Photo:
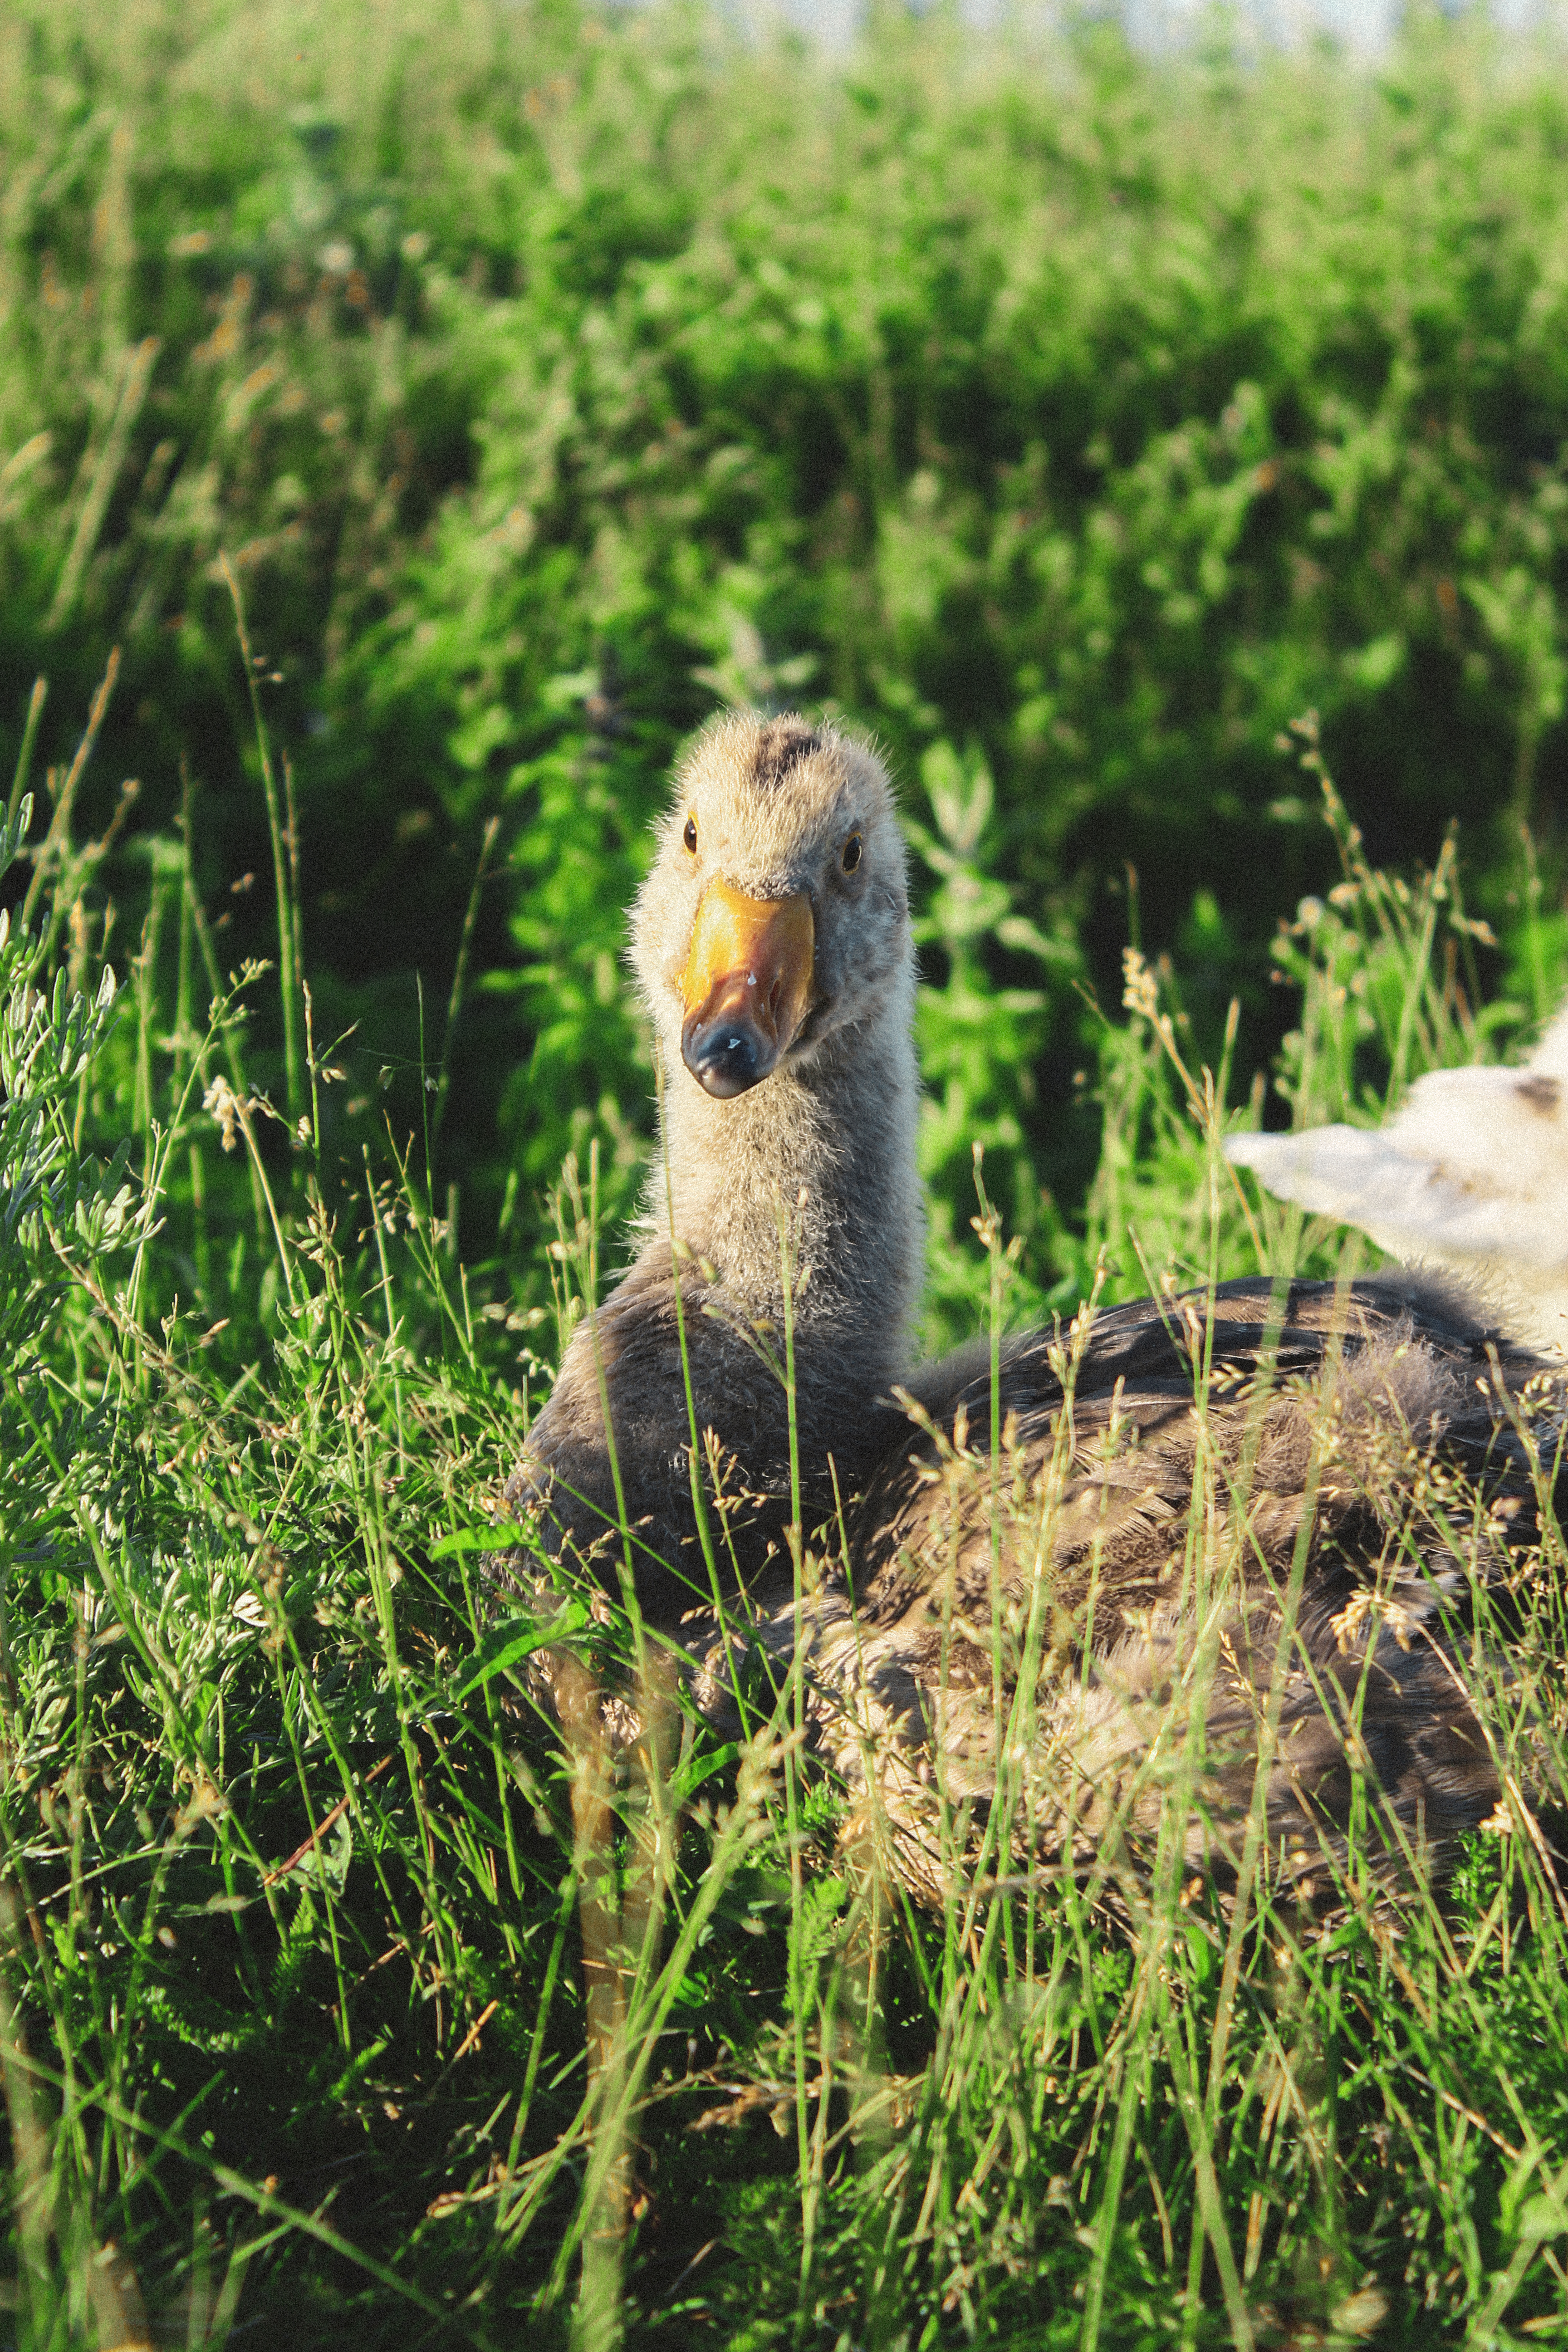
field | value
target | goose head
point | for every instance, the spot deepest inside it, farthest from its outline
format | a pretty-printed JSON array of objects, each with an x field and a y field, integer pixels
[{"x": 775, "y": 916}]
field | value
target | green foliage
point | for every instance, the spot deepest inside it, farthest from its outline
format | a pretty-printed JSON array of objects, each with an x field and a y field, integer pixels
[
  {"x": 1073, "y": 421},
  {"x": 1075, "y": 415},
  {"x": 340, "y": 1988},
  {"x": 978, "y": 1042}
]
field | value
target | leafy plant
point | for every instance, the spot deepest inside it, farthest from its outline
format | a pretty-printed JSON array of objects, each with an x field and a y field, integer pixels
[{"x": 546, "y": 378}]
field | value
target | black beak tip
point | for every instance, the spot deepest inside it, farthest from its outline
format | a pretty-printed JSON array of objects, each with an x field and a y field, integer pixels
[{"x": 725, "y": 1057}]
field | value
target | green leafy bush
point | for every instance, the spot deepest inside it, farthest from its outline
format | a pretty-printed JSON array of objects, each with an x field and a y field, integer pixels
[{"x": 549, "y": 377}]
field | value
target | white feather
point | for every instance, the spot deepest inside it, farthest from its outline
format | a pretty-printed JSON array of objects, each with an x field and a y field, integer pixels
[{"x": 1471, "y": 1173}]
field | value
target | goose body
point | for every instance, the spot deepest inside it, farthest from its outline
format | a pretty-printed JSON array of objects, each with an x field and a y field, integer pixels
[
  {"x": 1470, "y": 1174},
  {"x": 1187, "y": 1532},
  {"x": 1162, "y": 1572}
]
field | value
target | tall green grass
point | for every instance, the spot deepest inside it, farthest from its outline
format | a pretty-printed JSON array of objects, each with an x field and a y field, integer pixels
[
  {"x": 407, "y": 427},
  {"x": 343, "y": 1988}
]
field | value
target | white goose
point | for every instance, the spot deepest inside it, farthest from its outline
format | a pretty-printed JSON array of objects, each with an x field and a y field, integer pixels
[{"x": 1470, "y": 1174}]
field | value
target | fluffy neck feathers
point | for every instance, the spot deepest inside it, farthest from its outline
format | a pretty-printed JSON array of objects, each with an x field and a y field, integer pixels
[{"x": 829, "y": 1153}]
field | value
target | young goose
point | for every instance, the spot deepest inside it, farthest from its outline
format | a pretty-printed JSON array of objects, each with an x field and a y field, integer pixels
[
  {"x": 1470, "y": 1173},
  {"x": 1144, "y": 1574},
  {"x": 770, "y": 945}
]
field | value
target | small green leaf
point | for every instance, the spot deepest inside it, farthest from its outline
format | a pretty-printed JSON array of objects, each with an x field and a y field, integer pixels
[
  {"x": 1542, "y": 2217},
  {"x": 504, "y": 1536},
  {"x": 517, "y": 1638}
]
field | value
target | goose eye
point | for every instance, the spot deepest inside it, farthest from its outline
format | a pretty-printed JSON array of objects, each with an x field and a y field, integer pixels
[
  {"x": 689, "y": 836},
  {"x": 852, "y": 850}
]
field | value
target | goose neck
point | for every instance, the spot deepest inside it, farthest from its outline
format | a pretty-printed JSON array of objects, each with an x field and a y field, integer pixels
[{"x": 806, "y": 1183}]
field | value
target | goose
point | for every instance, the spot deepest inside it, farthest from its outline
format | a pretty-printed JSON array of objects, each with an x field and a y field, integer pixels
[
  {"x": 1108, "y": 1556},
  {"x": 1469, "y": 1174}
]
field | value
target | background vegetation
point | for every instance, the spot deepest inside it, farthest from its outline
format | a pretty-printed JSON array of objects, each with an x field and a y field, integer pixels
[
  {"x": 412, "y": 421},
  {"x": 1073, "y": 420}
]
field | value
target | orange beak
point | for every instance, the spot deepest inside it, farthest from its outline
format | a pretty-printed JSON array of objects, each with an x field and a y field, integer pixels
[{"x": 747, "y": 986}]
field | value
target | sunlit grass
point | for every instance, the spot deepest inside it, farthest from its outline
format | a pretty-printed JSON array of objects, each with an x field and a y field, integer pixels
[
  {"x": 344, "y": 1988},
  {"x": 1072, "y": 417}
]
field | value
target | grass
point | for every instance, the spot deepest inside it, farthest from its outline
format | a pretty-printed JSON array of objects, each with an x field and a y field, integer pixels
[
  {"x": 342, "y": 1989},
  {"x": 1070, "y": 414},
  {"x": 1072, "y": 417}
]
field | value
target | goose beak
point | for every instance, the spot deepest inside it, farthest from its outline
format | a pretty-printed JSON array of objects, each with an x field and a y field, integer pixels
[{"x": 747, "y": 986}]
